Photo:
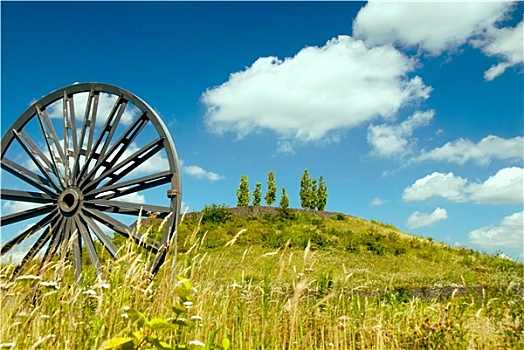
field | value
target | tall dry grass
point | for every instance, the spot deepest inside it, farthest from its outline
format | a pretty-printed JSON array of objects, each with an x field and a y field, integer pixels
[{"x": 261, "y": 298}]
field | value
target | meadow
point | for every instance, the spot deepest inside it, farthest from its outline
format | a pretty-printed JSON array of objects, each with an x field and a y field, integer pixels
[{"x": 288, "y": 280}]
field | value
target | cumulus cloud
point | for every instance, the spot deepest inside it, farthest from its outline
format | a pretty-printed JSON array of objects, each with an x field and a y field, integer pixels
[
  {"x": 505, "y": 43},
  {"x": 462, "y": 151},
  {"x": 435, "y": 27},
  {"x": 418, "y": 219},
  {"x": 199, "y": 173},
  {"x": 447, "y": 186},
  {"x": 505, "y": 187},
  {"x": 394, "y": 140},
  {"x": 508, "y": 234},
  {"x": 317, "y": 92}
]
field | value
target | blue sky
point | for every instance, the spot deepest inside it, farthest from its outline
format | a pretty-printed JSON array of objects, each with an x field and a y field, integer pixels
[{"x": 412, "y": 112}]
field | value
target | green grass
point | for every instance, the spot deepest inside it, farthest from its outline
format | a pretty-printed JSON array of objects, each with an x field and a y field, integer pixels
[{"x": 290, "y": 281}]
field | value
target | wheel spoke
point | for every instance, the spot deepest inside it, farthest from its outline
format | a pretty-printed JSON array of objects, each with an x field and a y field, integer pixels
[
  {"x": 65, "y": 236},
  {"x": 124, "y": 230},
  {"x": 106, "y": 133},
  {"x": 56, "y": 239},
  {"x": 31, "y": 152},
  {"x": 50, "y": 165},
  {"x": 50, "y": 135},
  {"x": 120, "y": 146},
  {"x": 89, "y": 123},
  {"x": 88, "y": 242},
  {"x": 110, "y": 247},
  {"x": 69, "y": 127},
  {"x": 27, "y": 176},
  {"x": 77, "y": 251},
  {"x": 26, "y": 214},
  {"x": 127, "y": 165},
  {"x": 127, "y": 207},
  {"x": 37, "y": 246},
  {"x": 25, "y": 196},
  {"x": 131, "y": 186},
  {"x": 28, "y": 232}
]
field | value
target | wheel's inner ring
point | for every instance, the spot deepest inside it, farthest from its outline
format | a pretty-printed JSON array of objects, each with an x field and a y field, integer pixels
[{"x": 70, "y": 200}]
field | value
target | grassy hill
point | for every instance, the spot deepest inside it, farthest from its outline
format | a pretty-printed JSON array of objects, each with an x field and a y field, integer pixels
[{"x": 262, "y": 278}]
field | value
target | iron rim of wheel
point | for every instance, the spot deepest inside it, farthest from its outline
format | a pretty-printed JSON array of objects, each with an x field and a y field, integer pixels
[{"x": 79, "y": 161}]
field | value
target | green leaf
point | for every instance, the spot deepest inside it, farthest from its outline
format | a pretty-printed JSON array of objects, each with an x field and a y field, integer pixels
[
  {"x": 137, "y": 316},
  {"x": 184, "y": 295},
  {"x": 121, "y": 343},
  {"x": 159, "y": 344},
  {"x": 185, "y": 282},
  {"x": 159, "y": 323},
  {"x": 138, "y": 335},
  {"x": 225, "y": 343},
  {"x": 180, "y": 323},
  {"x": 179, "y": 310}
]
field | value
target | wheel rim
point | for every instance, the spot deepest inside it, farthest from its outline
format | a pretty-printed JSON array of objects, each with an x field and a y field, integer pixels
[{"x": 78, "y": 167}]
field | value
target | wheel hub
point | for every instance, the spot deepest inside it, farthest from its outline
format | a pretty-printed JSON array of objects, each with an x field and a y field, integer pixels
[{"x": 70, "y": 201}]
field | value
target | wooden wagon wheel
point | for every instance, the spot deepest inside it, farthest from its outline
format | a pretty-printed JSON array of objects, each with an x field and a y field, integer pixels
[{"x": 78, "y": 167}]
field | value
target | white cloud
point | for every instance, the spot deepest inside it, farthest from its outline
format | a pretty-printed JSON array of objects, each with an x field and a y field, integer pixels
[
  {"x": 509, "y": 234},
  {"x": 377, "y": 202},
  {"x": 315, "y": 93},
  {"x": 393, "y": 140},
  {"x": 199, "y": 173},
  {"x": 462, "y": 151},
  {"x": 506, "y": 43},
  {"x": 505, "y": 187},
  {"x": 418, "y": 219},
  {"x": 433, "y": 27},
  {"x": 447, "y": 186}
]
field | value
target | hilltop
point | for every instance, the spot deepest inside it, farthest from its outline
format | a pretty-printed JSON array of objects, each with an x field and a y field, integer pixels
[{"x": 263, "y": 278}]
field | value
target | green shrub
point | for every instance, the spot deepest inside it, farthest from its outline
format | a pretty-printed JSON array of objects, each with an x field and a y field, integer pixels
[{"x": 216, "y": 214}]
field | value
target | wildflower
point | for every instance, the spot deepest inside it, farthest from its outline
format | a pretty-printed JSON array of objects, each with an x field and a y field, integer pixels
[
  {"x": 197, "y": 343},
  {"x": 7, "y": 345},
  {"x": 188, "y": 304},
  {"x": 28, "y": 277},
  {"x": 196, "y": 318},
  {"x": 331, "y": 345},
  {"x": 89, "y": 292},
  {"x": 124, "y": 315}
]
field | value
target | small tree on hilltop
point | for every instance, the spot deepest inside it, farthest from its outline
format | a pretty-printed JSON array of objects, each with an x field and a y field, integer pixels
[
  {"x": 284, "y": 200},
  {"x": 257, "y": 194},
  {"x": 305, "y": 190},
  {"x": 243, "y": 192},
  {"x": 313, "y": 195},
  {"x": 322, "y": 194},
  {"x": 271, "y": 194}
]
